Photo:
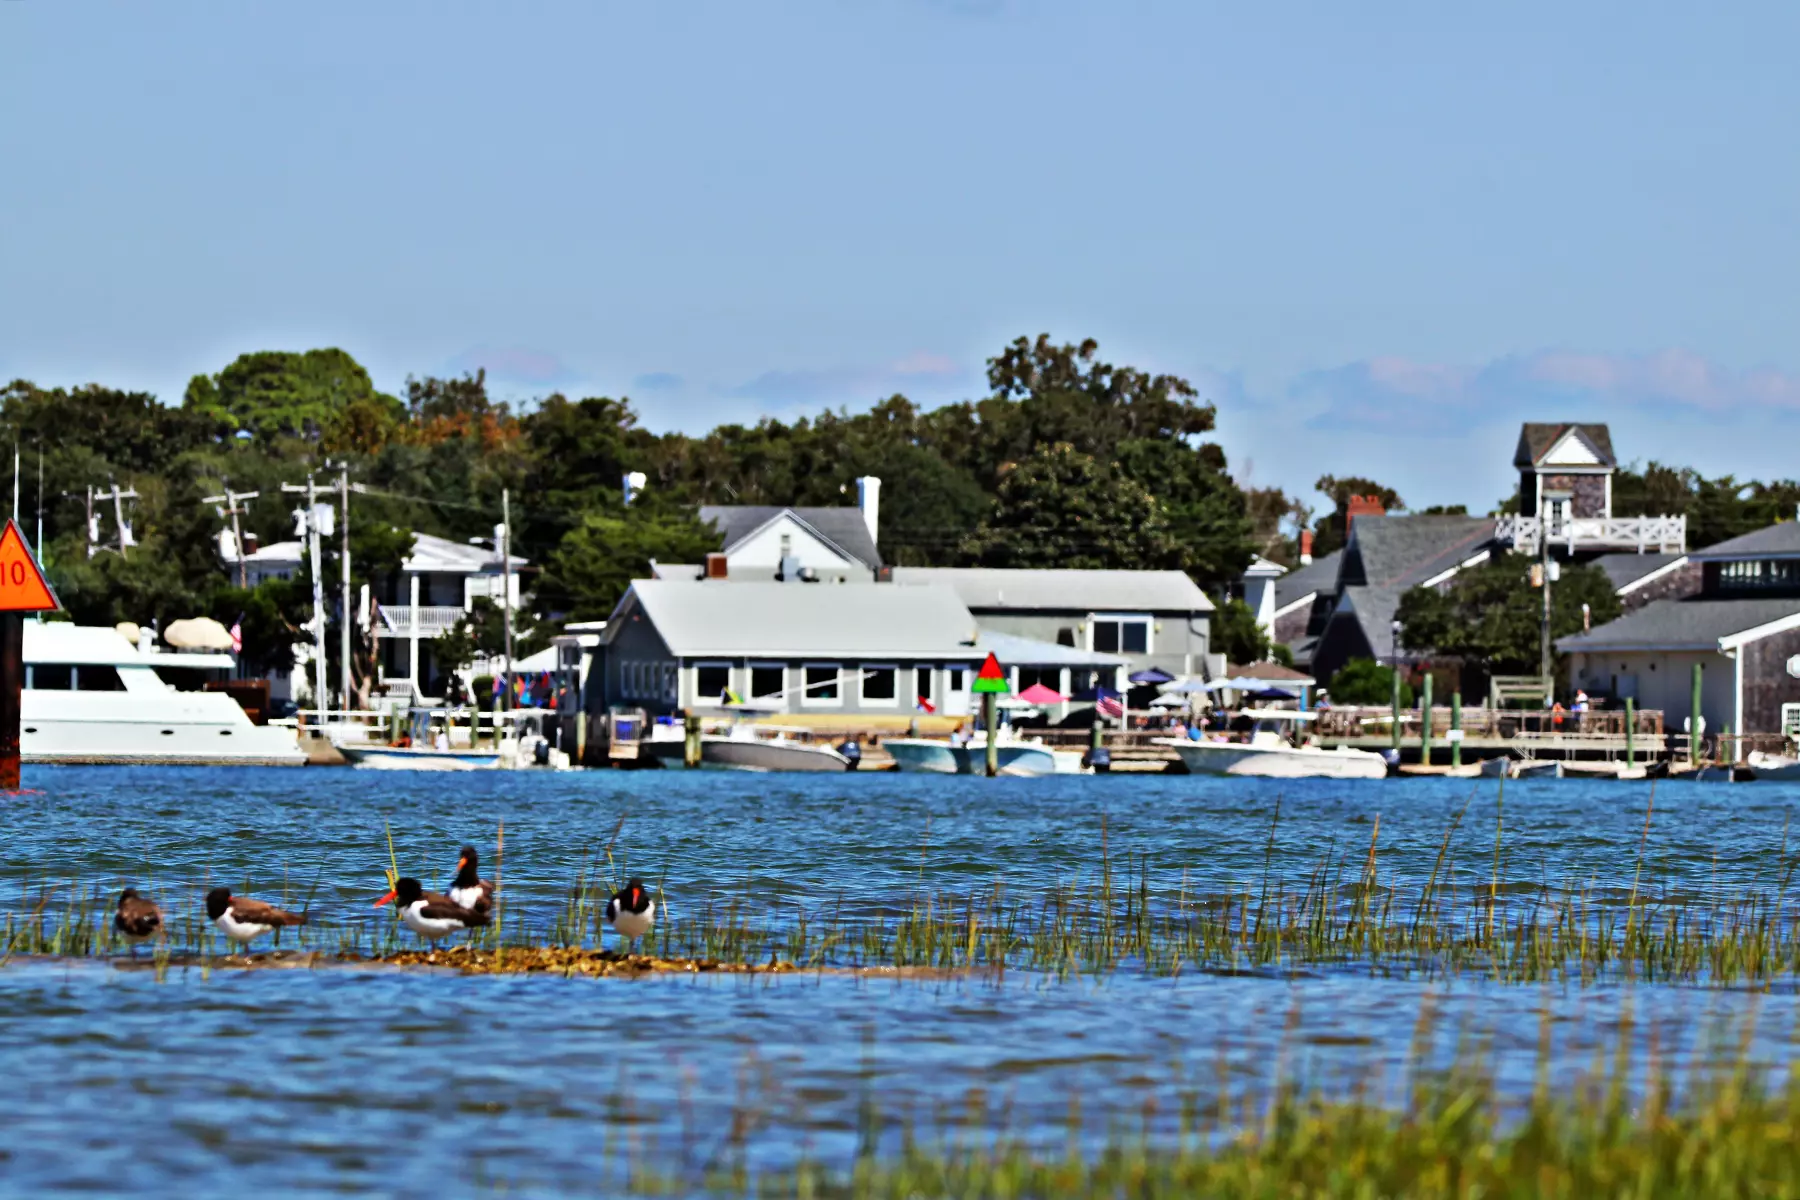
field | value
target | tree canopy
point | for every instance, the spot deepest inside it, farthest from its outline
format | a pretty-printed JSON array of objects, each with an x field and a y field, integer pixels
[{"x": 1491, "y": 616}]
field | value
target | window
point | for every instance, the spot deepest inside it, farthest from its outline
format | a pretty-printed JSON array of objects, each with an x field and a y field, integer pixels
[
  {"x": 711, "y": 682},
  {"x": 821, "y": 684},
  {"x": 880, "y": 684},
  {"x": 768, "y": 682},
  {"x": 98, "y": 679},
  {"x": 1765, "y": 575},
  {"x": 1121, "y": 635},
  {"x": 957, "y": 682},
  {"x": 1050, "y": 677},
  {"x": 52, "y": 677}
]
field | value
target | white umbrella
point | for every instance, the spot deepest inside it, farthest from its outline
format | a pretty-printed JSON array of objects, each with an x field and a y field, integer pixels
[{"x": 198, "y": 633}]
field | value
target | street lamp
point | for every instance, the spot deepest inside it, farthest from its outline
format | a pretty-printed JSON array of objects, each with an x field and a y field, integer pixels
[{"x": 1396, "y": 653}]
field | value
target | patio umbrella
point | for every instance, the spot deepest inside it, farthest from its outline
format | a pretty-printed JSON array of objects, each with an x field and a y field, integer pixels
[
  {"x": 1188, "y": 687},
  {"x": 1169, "y": 700},
  {"x": 1273, "y": 693},
  {"x": 1037, "y": 693},
  {"x": 1154, "y": 675}
]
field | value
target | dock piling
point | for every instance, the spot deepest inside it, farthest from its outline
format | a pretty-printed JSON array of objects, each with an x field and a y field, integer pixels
[
  {"x": 690, "y": 750},
  {"x": 1694, "y": 729},
  {"x": 990, "y": 711},
  {"x": 1456, "y": 729},
  {"x": 1425, "y": 723},
  {"x": 1396, "y": 706},
  {"x": 1630, "y": 733}
]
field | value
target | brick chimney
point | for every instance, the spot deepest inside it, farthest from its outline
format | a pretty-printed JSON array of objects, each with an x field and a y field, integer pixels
[
  {"x": 1362, "y": 506},
  {"x": 1306, "y": 540},
  {"x": 715, "y": 566}
]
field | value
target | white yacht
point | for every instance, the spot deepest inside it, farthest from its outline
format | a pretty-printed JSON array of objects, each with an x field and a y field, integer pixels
[
  {"x": 91, "y": 696},
  {"x": 1272, "y": 752}
]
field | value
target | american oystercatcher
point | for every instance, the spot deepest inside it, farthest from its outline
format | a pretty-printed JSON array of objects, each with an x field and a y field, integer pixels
[
  {"x": 137, "y": 919},
  {"x": 429, "y": 915},
  {"x": 243, "y": 920},
  {"x": 632, "y": 912},
  {"x": 469, "y": 889}
]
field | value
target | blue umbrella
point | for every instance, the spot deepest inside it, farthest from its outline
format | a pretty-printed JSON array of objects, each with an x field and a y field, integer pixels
[{"x": 1152, "y": 675}]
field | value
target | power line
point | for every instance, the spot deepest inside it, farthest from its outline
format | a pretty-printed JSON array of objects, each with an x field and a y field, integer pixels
[{"x": 233, "y": 502}]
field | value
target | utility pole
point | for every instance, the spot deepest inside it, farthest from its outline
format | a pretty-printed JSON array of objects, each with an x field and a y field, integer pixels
[
  {"x": 232, "y": 501},
  {"x": 505, "y": 543},
  {"x": 118, "y": 496},
  {"x": 309, "y": 524},
  {"x": 344, "y": 574},
  {"x": 93, "y": 526}
]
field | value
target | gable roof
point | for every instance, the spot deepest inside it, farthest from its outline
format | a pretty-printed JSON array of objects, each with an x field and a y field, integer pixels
[
  {"x": 1400, "y": 552},
  {"x": 1320, "y": 575},
  {"x": 1538, "y": 438},
  {"x": 843, "y": 529},
  {"x": 1776, "y": 541},
  {"x": 1064, "y": 590},
  {"x": 433, "y": 553},
  {"x": 1693, "y": 624},
  {"x": 702, "y": 618},
  {"x": 1627, "y": 571}
]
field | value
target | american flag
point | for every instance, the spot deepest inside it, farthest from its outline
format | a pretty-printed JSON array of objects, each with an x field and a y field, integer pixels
[
  {"x": 1110, "y": 706},
  {"x": 237, "y": 635}
]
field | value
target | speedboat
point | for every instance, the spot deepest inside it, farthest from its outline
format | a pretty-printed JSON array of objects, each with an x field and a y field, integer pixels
[
  {"x": 1779, "y": 768},
  {"x": 1014, "y": 755},
  {"x": 91, "y": 696},
  {"x": 748, "y": 747},
  {"x": 1271, "y": 752}
]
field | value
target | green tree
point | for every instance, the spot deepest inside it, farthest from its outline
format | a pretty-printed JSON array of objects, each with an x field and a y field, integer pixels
[
  {"x": 1236, "y": 635},
  {"x": 1490, "y": 616},
  {"x": 1063, "y": 508},
  {"x": 595, "y": 562},
  {"x": 280, "y": 393},
  {"x": 1365, "y": 681}
]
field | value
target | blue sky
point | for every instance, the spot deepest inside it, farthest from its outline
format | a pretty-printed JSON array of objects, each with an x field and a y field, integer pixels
[{"x": 1379, "y": 235}]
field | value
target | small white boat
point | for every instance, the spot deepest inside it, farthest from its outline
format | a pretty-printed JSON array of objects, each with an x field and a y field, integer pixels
[
  {"x": 1014, "y": 755},
  {"x": 372, "y": 756},
  {"x": 1271, "y": 752},
  {"x": 750, "y": 748},
  {"x": 1776, "y": 768},
  {"x": 1536, "y": 768}
]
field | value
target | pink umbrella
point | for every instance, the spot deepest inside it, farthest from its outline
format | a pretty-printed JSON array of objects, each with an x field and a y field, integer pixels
[{"x": 1038, "y": 694}]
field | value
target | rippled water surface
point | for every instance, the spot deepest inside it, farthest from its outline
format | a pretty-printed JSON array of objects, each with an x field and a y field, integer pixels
[{"x": 218, "y": 1081}]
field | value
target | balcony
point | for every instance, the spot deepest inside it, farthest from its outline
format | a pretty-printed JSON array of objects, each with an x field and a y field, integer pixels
[
  {"x": 1662, "y": 535},
  {"x": 427, "y": 620}
]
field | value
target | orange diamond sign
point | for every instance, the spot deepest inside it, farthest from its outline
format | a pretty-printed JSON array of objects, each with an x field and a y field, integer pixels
[{"x": 23, "y": 587}]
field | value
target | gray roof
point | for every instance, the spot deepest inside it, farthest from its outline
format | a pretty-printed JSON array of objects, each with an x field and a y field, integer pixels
[
  {"x": 1537, "y": 438},
  {"x": 1013, "y": 650},
  {"x": 1320, "y": 575},
  {"x": 700, "y": 618},
  {"x": 1694, "y": 624},
  {"x": 1623, "y": 570},
  {"x": 842, "y": 528},
  {"x": 1060, "y": 590},
  {"x": 1775, "y": 541},
  {"x": 1402, "y": 551}
]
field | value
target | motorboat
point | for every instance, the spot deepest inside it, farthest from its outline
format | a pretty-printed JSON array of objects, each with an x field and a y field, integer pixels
[
  {"x": 431, "y": 745},
  {"x": 1271, "y": 751},
  {"x": 1777, "y": 768},
  {"x": 750, "y": 747},
  {"x": 92, "y": 696},
  {"x": 1014, "y": 755}
]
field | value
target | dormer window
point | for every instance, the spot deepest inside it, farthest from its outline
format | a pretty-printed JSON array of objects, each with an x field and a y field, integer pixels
[{"x": 1769, "y": 575}]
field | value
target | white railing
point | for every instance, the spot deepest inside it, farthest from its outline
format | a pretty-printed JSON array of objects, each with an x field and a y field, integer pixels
[
  {"x": 1665, "y": 535},
  {"x": 429, "y": 619}
]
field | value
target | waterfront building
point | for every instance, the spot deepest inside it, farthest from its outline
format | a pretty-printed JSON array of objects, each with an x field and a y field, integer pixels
[{"x": 1741, "y": 628}]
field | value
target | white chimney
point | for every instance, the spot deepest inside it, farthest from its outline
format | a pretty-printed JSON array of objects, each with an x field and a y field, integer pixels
[
  {"x": 868, "y": 498},
  {"x": 634, "y": 483}
]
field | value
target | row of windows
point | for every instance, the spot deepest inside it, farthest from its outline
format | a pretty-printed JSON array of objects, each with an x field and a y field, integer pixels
[
  {"x": 820, "y": 683},
  {"x": 66, "y": 677},
  {"x": 1768, "y": 574},
  {"x": 648, "y": 680}
]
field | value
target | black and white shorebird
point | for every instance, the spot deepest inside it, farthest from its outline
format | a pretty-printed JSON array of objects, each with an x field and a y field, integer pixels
[
  {"x": 429, "y": 915},
  {"x": 243, "y": 920},
  {"x": 631, "y": 912},
  {"x": 469, "y": 889},
  {"x": 137, "y": 920}
]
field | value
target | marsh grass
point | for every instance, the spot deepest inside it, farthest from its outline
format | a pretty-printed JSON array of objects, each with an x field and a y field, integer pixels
[
  {"x": 1628, "y": 1124},
  {"x": 1345, "y": 914}
]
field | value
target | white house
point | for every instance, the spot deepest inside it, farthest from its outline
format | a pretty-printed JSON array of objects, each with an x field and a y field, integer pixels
[{"x": 760, "y": 543}]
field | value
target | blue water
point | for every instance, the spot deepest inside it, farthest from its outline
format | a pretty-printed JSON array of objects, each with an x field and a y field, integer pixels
[{"x": 344, "y": 1079}]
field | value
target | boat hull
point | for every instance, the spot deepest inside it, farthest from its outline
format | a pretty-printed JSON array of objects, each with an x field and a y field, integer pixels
[
  {"x": 1292, "y": 762},
  {"x": 212, "y": 736},
  {"x": 750, "y": 754},
  {"x": 921, "y": 756},
  {"x": 929, "y": 757},
  {"x": 416, "y": 758}
]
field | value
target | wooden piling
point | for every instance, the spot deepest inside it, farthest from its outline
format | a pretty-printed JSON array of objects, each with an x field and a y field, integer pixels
[
  {"x": 1456, "y": 729},
  {"x": 1425, "y": 723}
]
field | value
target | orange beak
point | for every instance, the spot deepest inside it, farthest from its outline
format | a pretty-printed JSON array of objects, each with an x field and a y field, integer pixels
[
  {"x": 385, "y": 898},
  {"x": 634, "y": 897},
  {"x": 460, "y": 864}
]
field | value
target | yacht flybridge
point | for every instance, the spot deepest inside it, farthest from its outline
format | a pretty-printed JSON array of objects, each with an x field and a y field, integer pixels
[{"x": 91, "y": 696}]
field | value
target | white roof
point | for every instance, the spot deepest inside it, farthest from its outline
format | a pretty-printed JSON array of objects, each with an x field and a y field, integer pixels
[
  {"x": 701, "y": 618},
  {"x": 1065, "y": 590},
  {"x": 433, "y": 553}
]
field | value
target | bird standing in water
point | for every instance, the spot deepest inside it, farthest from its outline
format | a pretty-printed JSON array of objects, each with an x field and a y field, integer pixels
[
  {"x": 469, "y": 889},
  {"x": 631, "y": 912},
  {"x": 243, "y": 920},
  {"x": 429, "y": 915},
  {"x": 137, "y": 919}
]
